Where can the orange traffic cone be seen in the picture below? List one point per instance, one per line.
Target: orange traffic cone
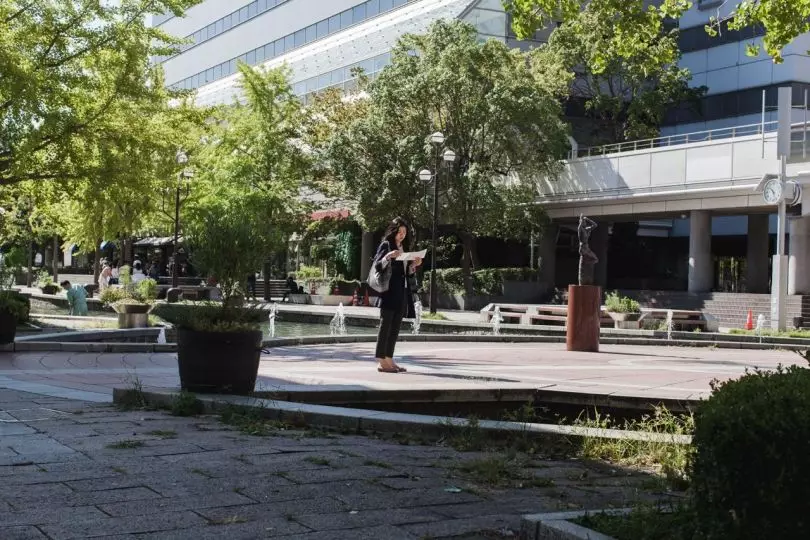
(749, 323)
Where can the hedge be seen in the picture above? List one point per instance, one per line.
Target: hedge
(751, 467)
(486, 282)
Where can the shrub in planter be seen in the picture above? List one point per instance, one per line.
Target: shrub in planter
(751, 464)
(621, 305)
(14, 310)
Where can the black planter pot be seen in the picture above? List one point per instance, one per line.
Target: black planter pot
(50, 289)
(8, 327)
(218, 362)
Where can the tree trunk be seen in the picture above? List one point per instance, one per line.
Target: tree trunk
(97, 262)
(469, 261)
(29, 280)
(55, 261)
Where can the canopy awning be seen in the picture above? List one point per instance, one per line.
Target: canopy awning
(342, 213)
(157, 241)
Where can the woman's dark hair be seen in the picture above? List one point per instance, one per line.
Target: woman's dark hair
(392, 230)
(137, 265)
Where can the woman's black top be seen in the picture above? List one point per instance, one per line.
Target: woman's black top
(398, 288)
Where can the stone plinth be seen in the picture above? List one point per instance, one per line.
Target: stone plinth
(584, 306)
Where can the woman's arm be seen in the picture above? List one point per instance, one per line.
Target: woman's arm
(380, 262)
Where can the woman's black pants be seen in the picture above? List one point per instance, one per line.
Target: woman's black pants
(390, 322)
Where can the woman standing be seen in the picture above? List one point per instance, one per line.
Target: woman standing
(397, 302)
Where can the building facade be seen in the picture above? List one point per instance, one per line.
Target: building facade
(322, 42)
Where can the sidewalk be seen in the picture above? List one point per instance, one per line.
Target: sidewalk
(70, 469)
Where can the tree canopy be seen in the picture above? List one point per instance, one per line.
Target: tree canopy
(635, 20)
(72, 71)
(503, 122)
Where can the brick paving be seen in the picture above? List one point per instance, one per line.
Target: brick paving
(71, 469)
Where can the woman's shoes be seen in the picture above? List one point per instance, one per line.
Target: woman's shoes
(392, 369)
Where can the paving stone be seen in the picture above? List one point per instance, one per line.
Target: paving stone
(86, 528)
(330, 474)
(21, 533)
(372, 499)
(267, 528)
(385, 532)
(294, 507)
(457, 527)
(153, 505)
(355, 519)
(53, 515)
(97, 498)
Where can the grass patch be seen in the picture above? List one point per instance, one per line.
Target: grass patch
(133, 398)
(163, 433)
(465, 437)
(126, 444)
(380, 464)
(499, 470)
(315, 460)
(668, 458)
(643, 523)
(186, 404)
(434, 317)
(247, 420)
(769, 332)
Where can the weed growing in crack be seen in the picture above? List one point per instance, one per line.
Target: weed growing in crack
(134, 397)
(126, 444)
(163, 433)
(186, 404)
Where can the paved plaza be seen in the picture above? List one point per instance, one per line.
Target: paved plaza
(622, 370)
(71, 469)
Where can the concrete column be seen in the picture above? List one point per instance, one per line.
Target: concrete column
(599, 245)
(757, 260)
(366, 254)
(799, 260)
(547, 256)
(701, 271)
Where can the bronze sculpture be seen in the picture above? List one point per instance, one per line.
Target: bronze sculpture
(587, 258)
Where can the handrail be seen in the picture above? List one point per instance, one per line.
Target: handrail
(678, 139)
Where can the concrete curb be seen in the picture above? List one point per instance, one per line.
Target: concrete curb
(361, 420)
(555, 526)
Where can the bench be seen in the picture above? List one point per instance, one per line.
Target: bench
(278, 288)
(558, 316)
(510, 314)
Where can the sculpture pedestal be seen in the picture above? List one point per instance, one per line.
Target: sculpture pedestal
(584, 309)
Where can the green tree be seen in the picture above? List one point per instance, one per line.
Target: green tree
(625, 97)
(251, 173)
(783, 20)
(68, 68)
(503, 122)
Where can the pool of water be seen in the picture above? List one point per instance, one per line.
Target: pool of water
(292, 329)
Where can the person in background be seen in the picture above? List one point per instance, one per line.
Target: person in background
(114, 274)
(397, 302)
(76, 297)
(154, 271)
(137, 272)
(105, 276)
(251, 286)
(292, 288)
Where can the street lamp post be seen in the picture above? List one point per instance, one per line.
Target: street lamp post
(426, 175)
(181, 160)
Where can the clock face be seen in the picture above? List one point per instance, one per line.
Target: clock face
(773, 191)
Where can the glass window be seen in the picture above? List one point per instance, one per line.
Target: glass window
(312, 84)
(243, 14)
(398, 2)
(299, 88)
(300, 37)
(209, 74)
(322, 29)
(278, 47)
(346, 18)
(253, 9)
(372, 7)
(262, 5)
(324, 80)
(232, 66)
(220, 28)
(218, 72)
(195, 81)
(212, 30)
(198, 36)
(334, 24)
(243, 58)
(226, 22)
(359, 13)
(385, 5)
(337, 75)
(311, 33)
(289, 43)
(251, 57)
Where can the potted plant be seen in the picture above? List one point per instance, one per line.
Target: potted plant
(219, 344)
(625, 312)
(131, 301)
(46, 284)
(14, 307)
